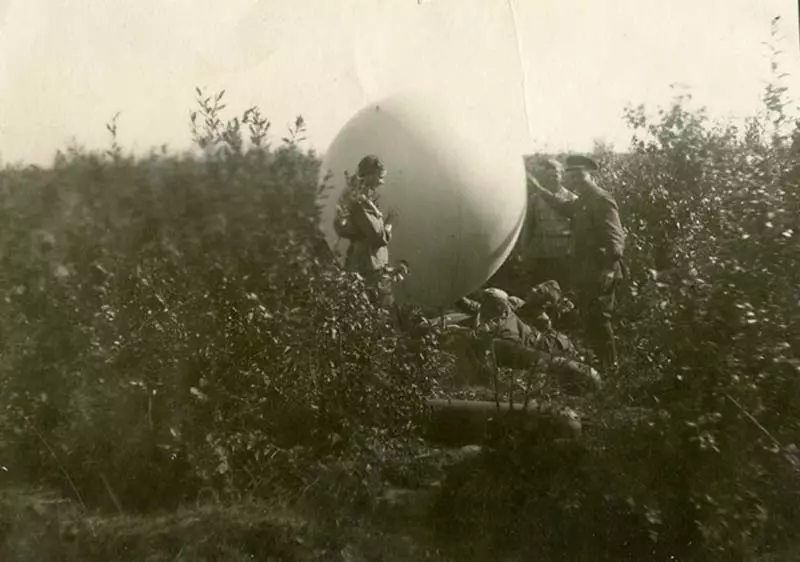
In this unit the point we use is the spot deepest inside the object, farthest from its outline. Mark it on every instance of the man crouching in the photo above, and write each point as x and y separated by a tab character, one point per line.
500	338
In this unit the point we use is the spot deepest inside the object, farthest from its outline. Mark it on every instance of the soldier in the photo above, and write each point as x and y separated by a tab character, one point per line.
544	304
598	246
546	239
361	222
517	345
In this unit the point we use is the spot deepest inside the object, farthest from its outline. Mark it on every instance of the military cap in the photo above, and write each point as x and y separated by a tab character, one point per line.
578	162
494	303
370	164
493	293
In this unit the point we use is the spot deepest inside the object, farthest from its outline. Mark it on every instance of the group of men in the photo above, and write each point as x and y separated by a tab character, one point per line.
572	236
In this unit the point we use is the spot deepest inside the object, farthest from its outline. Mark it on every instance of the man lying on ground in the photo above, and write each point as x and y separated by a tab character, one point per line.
543	304
499	335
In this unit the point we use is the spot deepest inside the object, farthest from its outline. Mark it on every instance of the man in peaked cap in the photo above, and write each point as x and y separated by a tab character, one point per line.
598	246
578	162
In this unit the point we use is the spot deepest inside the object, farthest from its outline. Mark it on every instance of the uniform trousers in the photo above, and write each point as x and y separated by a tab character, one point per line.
596	303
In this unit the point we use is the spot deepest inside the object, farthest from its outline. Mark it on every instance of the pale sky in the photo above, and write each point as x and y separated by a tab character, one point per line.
549	74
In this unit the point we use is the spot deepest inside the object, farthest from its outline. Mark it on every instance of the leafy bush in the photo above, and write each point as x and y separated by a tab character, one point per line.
691	452
174	326
170	323
712	341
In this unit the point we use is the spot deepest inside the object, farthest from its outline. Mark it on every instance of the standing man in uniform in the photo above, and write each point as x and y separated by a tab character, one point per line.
362	223
546	240
598	246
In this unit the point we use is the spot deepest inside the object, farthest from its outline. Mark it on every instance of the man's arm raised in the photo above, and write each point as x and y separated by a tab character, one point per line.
565	208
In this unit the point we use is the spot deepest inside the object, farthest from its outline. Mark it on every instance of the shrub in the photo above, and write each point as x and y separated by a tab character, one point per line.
717	209
170	323
693	446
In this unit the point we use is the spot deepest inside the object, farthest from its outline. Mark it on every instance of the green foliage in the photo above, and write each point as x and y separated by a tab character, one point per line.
691	451
170	324
711	324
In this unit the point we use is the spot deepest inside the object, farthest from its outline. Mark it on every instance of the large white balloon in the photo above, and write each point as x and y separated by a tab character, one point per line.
460	200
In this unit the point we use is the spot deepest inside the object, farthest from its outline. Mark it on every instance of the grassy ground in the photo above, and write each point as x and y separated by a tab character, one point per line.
36	527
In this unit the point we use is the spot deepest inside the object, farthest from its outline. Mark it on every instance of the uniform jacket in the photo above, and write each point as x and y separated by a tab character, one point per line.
368	235
546	234
513	329
598	236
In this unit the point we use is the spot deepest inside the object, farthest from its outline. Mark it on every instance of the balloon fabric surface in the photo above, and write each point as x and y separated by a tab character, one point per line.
459	204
